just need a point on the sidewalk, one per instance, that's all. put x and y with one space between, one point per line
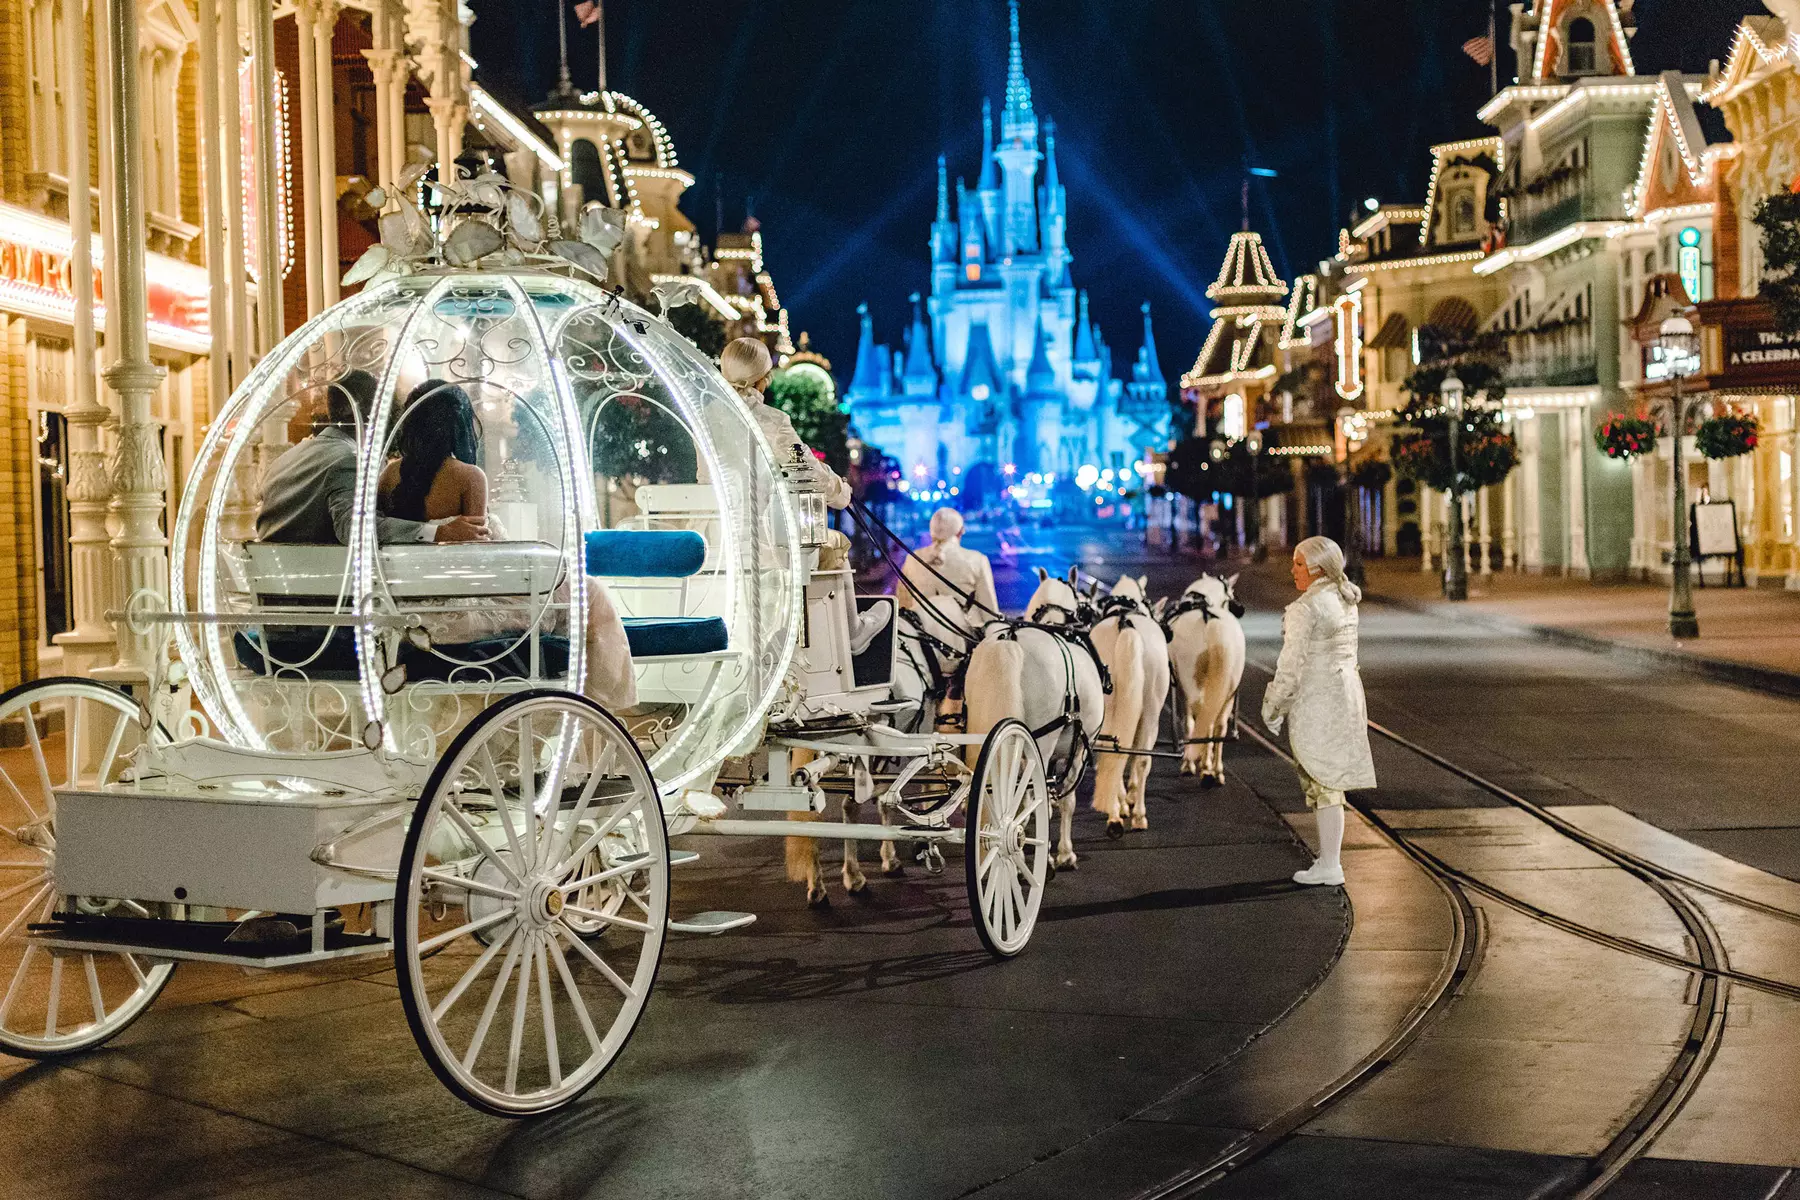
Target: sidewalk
1749 636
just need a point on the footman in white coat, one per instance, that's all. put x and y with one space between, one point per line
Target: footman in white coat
1318 690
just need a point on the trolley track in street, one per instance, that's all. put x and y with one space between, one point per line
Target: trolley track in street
1710 967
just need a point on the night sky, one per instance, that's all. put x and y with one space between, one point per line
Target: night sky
828 115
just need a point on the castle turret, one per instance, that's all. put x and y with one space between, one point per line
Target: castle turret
1053 208
869 382
920 375
988 185
943 229
1018 152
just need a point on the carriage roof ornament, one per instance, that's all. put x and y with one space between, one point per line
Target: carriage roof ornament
484 221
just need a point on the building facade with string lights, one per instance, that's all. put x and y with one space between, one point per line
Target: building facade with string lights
1003 377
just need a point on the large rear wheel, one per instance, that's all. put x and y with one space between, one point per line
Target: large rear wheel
532 903
1006 847
68 733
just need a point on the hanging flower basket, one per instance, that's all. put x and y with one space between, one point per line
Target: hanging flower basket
1727 435
1485 459
1626 437
1415 457
1488 458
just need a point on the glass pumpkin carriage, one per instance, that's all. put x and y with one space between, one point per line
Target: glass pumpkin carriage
367 744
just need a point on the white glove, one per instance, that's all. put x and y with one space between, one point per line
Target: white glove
1274 722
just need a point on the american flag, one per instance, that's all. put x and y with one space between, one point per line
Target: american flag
1481 49
587 12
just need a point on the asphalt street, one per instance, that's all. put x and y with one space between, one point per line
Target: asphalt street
1179 992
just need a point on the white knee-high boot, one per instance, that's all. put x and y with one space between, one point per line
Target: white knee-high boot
1326 868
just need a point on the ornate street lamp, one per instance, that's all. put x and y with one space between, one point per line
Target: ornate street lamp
1681 356
1456 557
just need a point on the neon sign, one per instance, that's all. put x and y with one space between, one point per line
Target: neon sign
1687 262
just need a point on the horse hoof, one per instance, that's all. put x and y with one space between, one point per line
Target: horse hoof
897 871
820 901
1115 830
857 887
1211 781
1187 768
1140 825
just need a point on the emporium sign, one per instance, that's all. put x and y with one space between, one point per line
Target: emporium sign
37 278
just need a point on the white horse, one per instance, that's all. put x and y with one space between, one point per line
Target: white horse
1130 643
935 636
1041 678
930 652
1206 646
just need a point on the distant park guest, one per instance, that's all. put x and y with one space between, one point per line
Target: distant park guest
957 568
1318 689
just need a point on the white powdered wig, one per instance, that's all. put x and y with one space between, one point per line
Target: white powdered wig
1325 558
946 524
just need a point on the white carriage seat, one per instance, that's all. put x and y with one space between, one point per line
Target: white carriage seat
491 609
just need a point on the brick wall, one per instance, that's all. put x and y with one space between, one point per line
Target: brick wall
15 151
1726 284
18 554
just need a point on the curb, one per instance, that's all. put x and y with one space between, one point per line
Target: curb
1748 675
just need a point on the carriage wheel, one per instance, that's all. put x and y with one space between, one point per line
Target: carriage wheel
542 808
75 734
1006 849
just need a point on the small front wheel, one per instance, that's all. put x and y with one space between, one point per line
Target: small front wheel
540 828
1006 846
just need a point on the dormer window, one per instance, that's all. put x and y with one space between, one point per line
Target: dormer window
1581 46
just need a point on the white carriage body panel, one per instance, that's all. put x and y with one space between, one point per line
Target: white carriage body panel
246 848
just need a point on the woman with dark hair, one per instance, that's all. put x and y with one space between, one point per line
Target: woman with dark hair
437 475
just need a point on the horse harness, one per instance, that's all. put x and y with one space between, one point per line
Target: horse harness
1197 602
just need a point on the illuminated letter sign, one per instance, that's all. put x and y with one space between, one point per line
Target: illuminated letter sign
1349 346
1688 262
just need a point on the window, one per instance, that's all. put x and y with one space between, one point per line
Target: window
1581 46
168 30
46 43
1462 215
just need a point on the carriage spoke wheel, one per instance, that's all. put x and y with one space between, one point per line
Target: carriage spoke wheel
1006 848
532 903
61 733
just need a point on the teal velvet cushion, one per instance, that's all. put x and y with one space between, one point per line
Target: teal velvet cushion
645 553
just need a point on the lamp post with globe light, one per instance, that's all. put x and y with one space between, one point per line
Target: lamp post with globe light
1456 558
1680 355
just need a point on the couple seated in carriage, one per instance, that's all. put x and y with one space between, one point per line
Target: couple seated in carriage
432 491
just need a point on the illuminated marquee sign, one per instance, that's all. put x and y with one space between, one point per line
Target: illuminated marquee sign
1349 345
250 185
36 278
1687 262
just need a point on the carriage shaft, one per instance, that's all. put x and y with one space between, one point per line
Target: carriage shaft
831 830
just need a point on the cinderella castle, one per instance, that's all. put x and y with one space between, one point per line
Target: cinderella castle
1002 374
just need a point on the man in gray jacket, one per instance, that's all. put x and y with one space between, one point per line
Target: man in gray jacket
310 492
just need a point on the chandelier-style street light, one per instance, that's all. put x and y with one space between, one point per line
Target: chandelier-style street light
1680 349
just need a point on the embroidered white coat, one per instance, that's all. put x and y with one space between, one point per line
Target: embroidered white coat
1318 691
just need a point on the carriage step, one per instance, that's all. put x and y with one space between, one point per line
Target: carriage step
197 941
712 923
683 858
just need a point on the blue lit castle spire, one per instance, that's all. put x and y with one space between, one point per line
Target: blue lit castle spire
1003 373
